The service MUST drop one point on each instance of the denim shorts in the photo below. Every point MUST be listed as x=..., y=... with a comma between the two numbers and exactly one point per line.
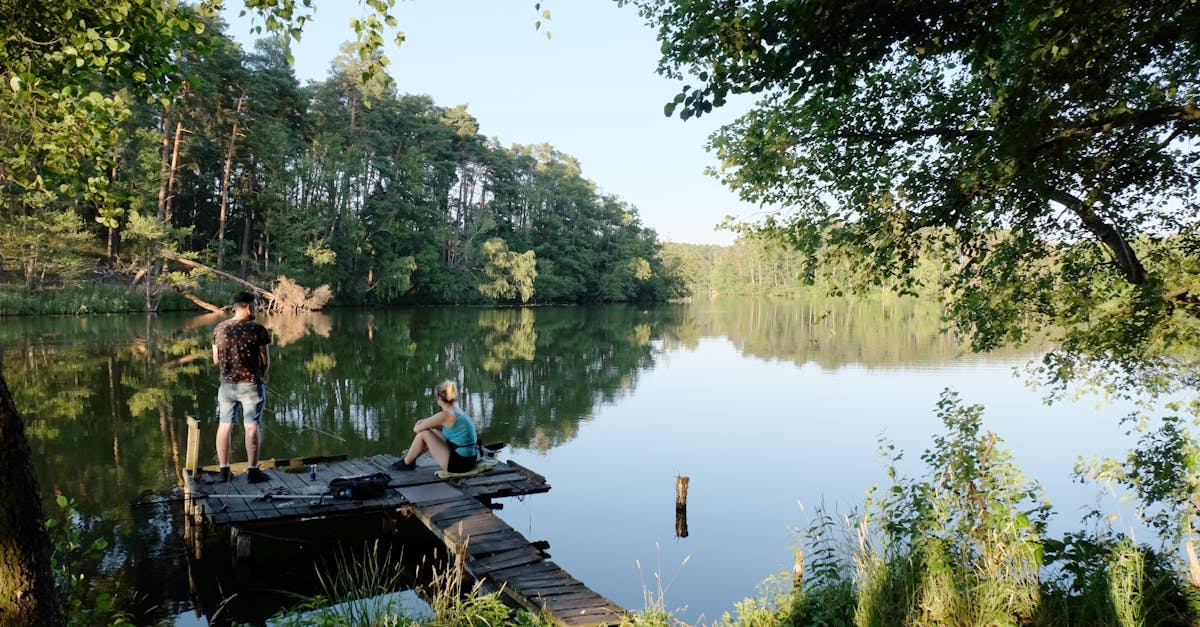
x=249, y=398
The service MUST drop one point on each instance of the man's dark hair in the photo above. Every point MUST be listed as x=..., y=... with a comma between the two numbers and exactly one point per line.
x=244, y=297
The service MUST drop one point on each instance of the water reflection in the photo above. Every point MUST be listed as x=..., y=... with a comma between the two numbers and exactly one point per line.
x=105, y=398
x=288, y=328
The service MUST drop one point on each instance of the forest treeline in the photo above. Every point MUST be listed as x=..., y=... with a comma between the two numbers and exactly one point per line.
x=751, y=266
x=387, y=198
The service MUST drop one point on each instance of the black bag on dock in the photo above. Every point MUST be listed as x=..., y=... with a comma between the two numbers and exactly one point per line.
x=360, y=487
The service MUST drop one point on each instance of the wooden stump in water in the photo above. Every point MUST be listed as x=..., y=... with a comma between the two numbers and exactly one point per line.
x=681, y=488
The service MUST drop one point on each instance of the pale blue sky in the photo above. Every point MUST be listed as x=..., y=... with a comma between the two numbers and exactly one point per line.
x=591, y=91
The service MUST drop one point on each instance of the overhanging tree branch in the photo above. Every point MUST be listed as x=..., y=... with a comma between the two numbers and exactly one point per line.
x=1142, y=119
x=1123, y=254
x=898, y=135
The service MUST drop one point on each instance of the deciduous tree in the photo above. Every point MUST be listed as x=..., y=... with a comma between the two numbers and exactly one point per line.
x=1042, y=152
x=1041, y=156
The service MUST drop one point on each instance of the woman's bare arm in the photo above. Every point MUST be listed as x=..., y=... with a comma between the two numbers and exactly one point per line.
x=437, y=421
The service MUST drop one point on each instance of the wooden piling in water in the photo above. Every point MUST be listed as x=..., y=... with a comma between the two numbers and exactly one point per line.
x=681, y=489
x=191, y=460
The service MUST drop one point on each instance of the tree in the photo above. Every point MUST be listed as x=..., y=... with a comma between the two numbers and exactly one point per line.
x=26, y=583
x=58, y=125
x=1040, y=156
x=510, y=274
x=1041, y=153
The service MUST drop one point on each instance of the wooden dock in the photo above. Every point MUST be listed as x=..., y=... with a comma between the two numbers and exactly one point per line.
x=455, y=510
x=500, y=557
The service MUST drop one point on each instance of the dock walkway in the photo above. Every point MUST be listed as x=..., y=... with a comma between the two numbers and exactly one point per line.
x=501, y=558
x=455, y=510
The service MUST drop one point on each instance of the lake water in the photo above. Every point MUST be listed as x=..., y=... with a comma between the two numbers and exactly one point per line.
x=770, y=408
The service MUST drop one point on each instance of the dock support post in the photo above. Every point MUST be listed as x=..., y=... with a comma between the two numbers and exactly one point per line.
x=191, y=461
x=681, y=488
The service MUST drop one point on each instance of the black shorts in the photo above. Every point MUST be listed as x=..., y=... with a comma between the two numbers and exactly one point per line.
x=458, y=463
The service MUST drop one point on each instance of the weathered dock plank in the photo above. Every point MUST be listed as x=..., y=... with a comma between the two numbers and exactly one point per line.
x=495, y=543
x=519, y=556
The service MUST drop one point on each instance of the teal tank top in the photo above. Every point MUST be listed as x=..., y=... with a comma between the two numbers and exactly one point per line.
x=462, y=433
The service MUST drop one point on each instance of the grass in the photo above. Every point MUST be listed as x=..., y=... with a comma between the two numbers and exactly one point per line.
x=360, y=591
x=83, y=299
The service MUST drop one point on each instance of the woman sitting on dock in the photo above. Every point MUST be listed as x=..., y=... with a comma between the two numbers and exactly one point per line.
x=448, y=435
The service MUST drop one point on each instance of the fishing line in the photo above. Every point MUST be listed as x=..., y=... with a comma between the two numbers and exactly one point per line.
x=304, y=423
x=150, y=498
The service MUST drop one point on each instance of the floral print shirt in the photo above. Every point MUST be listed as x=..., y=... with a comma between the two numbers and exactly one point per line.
x=239, y=353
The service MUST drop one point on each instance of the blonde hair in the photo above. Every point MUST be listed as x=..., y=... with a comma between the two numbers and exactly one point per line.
x=447, y=391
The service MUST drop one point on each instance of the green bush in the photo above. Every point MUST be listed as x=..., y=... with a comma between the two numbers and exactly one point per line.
x=73, y=557
x=1108, y=581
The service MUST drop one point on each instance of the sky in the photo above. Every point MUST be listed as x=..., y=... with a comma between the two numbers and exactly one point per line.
x=590, y=90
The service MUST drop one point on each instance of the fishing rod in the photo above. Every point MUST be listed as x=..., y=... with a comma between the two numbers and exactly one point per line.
x=260, y=497
x=318, y=501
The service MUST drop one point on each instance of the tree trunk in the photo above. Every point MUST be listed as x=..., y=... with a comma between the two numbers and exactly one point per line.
x=170, y=200
x=201, y=303
x=114, y=240
x=245, y=267
x=225, y=185
x=27, y=595
x=164, y=169
x=192, y=264
x=114, y=246
x=1122, y=253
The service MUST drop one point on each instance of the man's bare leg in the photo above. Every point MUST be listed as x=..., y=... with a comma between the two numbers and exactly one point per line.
x=224, y=435
x=252, y=440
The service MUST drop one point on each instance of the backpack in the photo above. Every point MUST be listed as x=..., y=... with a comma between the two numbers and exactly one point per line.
x=360, y=487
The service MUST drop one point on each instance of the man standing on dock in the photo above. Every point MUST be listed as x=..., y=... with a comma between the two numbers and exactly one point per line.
x=240, y=350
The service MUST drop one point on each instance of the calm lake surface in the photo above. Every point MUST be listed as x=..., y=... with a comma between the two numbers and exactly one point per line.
x=771, y=409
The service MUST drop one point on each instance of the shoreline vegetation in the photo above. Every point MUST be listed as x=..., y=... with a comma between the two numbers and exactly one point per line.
x=749, y=267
